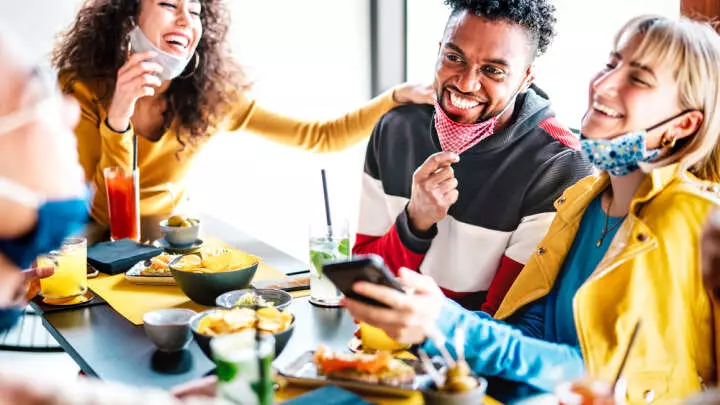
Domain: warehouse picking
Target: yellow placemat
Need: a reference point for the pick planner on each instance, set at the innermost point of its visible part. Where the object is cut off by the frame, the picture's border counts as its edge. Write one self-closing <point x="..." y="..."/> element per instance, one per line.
<point x="290" y="392"/>
<point x="133" y="300"/>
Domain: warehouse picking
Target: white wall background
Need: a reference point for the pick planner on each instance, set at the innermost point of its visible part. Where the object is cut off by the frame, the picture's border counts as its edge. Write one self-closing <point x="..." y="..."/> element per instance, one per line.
<point x="585" y="28"/>
<point x="310" y="59"/>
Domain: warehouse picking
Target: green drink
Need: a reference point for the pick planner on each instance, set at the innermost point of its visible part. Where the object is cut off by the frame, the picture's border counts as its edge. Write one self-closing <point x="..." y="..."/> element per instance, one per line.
<point x="244" y="367"/>
<point x="325" y="247"/>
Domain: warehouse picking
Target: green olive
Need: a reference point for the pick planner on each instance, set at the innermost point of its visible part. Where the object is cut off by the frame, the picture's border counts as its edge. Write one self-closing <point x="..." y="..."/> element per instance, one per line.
<point x="181" y="221"/>
<point x="175" y="220"/>
<point x="461" y="384"/>
<point x="461" y="369"/>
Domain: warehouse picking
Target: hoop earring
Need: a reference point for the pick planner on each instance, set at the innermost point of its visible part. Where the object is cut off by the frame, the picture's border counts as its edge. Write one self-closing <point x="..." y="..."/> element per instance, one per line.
<point x="667" y="142"/>
<point x="197" y="63"/>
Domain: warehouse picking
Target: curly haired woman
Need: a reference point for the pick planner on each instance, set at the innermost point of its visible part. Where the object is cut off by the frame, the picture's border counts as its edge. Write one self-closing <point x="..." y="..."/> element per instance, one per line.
<point x="161" y="70"/>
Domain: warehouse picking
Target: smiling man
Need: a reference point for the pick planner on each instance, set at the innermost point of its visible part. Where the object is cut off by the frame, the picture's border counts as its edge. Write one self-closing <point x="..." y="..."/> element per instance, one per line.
<point x="490" y="157"/>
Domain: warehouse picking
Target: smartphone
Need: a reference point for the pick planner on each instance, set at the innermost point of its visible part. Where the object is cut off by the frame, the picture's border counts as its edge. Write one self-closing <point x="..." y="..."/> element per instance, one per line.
<point x="370" y="268"/>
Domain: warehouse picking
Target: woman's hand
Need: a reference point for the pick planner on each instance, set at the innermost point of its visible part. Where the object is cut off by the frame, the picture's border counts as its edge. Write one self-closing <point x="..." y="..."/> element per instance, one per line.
<point x="204" y="387"/>
<point x="32" y="279"/>
<point x="19" y="390"/>
<point x="18" y="287"/>
<point x="135" y="79"/>
<point x="409" y="314"/>
<point x="413" y="93"/>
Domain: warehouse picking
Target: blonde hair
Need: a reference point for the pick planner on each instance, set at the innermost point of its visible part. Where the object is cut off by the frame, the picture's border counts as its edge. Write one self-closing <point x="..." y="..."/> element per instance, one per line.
<point x="692" y="50"/>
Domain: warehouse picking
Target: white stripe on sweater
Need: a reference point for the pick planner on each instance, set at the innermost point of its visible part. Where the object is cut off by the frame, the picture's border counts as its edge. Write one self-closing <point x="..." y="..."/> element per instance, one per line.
<point x="462" y="257"/>
<point x="378" y="210"/>
<point x="528" y="235"/>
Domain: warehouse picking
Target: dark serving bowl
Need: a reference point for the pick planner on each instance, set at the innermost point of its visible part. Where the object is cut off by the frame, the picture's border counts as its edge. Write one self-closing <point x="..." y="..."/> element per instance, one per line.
<point x="204" y="288"/>
<point x="281" y="338"/>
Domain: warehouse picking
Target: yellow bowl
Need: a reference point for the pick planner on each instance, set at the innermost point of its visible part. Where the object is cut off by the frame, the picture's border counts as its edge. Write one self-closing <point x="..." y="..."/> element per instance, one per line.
<point x="373" y="338"/>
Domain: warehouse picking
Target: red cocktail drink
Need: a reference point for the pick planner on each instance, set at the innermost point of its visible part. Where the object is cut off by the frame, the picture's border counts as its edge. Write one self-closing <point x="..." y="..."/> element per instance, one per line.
<point x="123" y="203"/>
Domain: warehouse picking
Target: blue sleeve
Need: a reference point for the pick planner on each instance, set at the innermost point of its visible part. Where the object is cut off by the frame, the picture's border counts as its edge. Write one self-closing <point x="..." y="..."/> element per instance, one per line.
<point x="56" y="220"/>
<point x="531" y="319"/>
<point x="496" y="349"/>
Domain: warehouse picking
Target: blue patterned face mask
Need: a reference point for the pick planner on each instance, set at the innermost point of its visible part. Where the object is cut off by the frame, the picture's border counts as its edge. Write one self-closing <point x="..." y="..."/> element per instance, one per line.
<point x="619" y="156"/>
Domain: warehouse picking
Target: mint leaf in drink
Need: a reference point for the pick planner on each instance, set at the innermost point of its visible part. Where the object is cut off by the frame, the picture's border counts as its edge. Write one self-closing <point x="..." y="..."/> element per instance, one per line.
<point x="318" y="258"/>
<point x="225" y="371"/>
<point x="344" y="247"/>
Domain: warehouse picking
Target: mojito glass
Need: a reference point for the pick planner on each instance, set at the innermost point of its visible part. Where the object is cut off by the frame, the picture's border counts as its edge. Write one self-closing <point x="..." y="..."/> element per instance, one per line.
<point x="327" y="244"/>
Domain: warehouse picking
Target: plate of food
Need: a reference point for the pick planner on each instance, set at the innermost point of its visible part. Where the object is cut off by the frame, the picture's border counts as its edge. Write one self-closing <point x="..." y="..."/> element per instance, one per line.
<point x="154" y="271"/>
<point x="378" y="373"/>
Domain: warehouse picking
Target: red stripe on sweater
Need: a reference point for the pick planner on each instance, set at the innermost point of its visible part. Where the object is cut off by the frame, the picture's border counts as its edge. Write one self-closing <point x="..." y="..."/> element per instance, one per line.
<point x="390" y="248"/>
<point x="552" y="126"/>
<point x="396" y="255"/>
<point x="504" y="278"/>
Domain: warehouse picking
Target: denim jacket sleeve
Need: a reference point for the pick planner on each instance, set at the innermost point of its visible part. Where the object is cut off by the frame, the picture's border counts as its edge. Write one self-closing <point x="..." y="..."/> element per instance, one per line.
<point x="496" y="349"/>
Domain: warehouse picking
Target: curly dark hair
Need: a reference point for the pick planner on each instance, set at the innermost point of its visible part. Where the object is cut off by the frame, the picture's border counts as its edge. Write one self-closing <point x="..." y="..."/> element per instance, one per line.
<point x="96" y="46"/>
<point x="536" y="16"/>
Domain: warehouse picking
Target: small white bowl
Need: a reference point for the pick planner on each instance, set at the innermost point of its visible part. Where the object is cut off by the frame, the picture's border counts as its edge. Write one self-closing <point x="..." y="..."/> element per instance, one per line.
<point x="180" y="235"/>
<point x="169" y="329"/>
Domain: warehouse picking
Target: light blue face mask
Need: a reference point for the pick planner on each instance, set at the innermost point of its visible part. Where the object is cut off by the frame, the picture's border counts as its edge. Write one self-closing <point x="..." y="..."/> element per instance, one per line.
<point x="8" y="318"/>
<point x="55" y="221"/>
<point x="172" y="65"/>
<point x="621" y="155"/>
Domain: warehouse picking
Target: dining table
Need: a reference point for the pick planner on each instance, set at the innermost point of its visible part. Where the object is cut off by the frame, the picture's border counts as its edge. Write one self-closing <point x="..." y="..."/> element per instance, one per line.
<point x="105" y="345"/>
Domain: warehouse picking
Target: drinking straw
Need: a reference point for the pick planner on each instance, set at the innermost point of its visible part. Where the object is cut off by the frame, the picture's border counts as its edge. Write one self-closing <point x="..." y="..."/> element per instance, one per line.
<point x="135" y="153"/>
<point x="327" y="203"/>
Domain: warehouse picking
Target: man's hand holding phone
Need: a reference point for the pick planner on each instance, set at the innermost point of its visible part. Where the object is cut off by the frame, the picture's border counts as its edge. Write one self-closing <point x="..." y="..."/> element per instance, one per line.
<point x="407" y="316"/>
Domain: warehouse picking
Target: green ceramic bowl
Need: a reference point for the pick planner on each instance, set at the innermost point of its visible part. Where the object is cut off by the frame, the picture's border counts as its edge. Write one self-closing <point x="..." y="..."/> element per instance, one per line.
<point x="204" y="288"/>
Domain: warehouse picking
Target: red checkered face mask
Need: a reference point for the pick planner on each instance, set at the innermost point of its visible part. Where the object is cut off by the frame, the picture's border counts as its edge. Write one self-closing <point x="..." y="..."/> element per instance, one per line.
<point x="457" y="137"/>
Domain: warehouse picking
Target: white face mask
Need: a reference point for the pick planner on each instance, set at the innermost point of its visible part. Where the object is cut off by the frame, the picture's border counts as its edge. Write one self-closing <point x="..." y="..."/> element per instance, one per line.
<point x="172" y="65"/>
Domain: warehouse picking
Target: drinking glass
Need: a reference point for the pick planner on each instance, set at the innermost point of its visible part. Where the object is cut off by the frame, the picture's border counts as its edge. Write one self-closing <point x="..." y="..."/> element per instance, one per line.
<point x="327" y="243"/>
<point x="70" y="277"/>
<point x="123" y="203"/>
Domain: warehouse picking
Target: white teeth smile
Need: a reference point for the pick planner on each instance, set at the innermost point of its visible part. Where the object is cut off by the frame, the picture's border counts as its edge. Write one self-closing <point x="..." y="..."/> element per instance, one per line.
<point x="462" y="102"/>
<point x="606" y="110"/>
<point x="178" y="40"/>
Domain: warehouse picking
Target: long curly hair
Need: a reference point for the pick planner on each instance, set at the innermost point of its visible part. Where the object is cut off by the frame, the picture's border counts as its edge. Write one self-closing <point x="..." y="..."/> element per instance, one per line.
<point x="96" y="46"/>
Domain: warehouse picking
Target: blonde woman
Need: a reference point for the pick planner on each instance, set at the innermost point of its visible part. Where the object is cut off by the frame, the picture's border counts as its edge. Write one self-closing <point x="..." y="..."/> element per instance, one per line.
<point x="624" y="246"/>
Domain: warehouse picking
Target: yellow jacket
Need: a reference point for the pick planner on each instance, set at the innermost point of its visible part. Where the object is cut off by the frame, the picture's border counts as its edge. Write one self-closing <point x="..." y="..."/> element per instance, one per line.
<point x="100" y="147"/>
<point x="651" y="272"/>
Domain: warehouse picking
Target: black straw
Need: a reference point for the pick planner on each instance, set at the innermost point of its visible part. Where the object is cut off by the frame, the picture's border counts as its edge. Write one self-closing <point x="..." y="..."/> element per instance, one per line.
<point x="135" y="153"/>
<point x="327" y="203"/>
<point x="627" y="354"/>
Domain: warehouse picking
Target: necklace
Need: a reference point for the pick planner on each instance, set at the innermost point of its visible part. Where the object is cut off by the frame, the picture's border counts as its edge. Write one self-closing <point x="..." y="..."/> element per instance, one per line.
<point x="607" y="230"/>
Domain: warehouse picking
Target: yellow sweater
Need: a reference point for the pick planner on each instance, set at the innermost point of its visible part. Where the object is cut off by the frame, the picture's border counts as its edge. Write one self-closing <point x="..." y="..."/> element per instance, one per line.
<point x="100" y="147"/>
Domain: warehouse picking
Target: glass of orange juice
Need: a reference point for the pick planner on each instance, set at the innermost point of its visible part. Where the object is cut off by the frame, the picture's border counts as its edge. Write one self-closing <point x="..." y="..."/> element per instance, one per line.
<point x="70" y="277"/>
